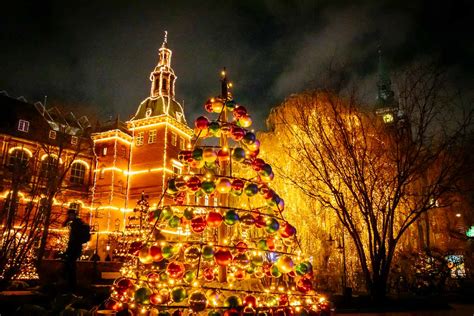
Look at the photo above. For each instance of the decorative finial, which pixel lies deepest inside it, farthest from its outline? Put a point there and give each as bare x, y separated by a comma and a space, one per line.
165, 39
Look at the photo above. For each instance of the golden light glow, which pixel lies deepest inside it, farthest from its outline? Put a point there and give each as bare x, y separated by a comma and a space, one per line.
117, 138
26, 150
82, 162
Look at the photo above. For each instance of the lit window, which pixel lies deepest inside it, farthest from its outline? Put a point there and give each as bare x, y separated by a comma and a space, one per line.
182, 143
74, 140
78, 173
52, 134
104, 151
18, 157
174, 139
152, 137
23, 126
140, 138
48, 166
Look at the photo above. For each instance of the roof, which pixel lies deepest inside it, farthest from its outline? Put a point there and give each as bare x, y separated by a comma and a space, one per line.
158, 106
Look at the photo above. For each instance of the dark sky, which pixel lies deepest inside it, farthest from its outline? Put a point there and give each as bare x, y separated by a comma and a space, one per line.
97, 55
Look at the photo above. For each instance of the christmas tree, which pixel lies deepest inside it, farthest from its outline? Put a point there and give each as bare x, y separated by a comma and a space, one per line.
231, 251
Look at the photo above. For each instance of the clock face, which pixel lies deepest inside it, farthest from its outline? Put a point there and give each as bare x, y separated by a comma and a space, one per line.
388, 118
148, 112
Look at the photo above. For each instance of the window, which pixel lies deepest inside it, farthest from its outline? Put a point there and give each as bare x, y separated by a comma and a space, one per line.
74, 140
78, 173
49, 166
23, 126
182, 143
18, 157
52, 134
140, 138
174, 139
104, 151
152, 137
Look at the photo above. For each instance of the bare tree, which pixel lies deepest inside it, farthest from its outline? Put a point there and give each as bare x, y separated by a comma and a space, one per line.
377, 174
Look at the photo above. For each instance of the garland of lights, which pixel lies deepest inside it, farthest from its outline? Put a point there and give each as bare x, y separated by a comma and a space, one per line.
220, 248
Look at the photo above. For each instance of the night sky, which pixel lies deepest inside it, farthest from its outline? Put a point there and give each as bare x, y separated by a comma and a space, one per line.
97, 57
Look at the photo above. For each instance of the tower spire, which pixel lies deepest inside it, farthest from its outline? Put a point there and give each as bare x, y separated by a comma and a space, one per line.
165, 40
163, 77
385, 95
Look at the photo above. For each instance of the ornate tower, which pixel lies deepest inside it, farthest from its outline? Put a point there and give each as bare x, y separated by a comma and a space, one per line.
386, 105
162, 77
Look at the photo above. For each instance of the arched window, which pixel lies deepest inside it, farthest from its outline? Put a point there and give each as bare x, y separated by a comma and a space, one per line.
19, 158
49, 165
78, 173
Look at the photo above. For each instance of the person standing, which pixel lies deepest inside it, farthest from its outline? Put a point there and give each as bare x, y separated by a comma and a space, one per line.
79, 233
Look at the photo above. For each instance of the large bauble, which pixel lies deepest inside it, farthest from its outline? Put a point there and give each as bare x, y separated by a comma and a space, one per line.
223, 155
241, 247
242, 260
302, 268
156, 299
239, 111
247, 220
155, 253
197, 154
189, 276
198, 224
208, 186
231, 217
251, 189
257, 164
209, 155
230, 105
194, 183
208, 274
197, 301
249, 138
153, 277
123, 284
250, 300
171, 187
166, 213
238, 154
237, 133
144, 256
260, 221
168, 251
257, 260
207, 252
237, 185
287, 230
285, 264
217, 105
174, 221
214, 129
304, 285
223, 257
272, 225
223, 185
245, 121
266, 170
142, 295
214, 219
192, 254
178, 294
188, 213
233, 301
175, 270
201, 122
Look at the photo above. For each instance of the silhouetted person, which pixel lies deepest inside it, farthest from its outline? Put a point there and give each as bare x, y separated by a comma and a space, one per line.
79, 233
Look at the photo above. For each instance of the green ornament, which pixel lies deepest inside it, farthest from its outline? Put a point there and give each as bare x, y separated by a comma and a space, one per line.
178, 294
168, 251
166, 213
238, 154
236, 192
214, 313
172, 189
233, 301
272, 300
208, 186
174, 221
230, 105
275, 272
214, 128
197, 154
208, 252
262, 244
302, 268
142, 295
188, 213
199, 193
251, 189
210, 165
164, 277
189, 276
250, 269
164, 313
231, 217
271, 225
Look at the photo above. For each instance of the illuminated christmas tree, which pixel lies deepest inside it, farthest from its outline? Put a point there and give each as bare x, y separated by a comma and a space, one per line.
228, 249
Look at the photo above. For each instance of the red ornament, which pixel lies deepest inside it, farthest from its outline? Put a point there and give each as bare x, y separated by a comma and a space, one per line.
177, 313
304, 285
153, 277
237, 133
239, 274
286, 230
208, 274
260, 221
239, 112
198, 224
250, 300
112, 304
257, 164
155, 253
123, 284
175, 270
231, 312
271, 244
237, 185
223, 257
208, 105
214, 219
185, 156
241, 247
223, 155
194, 183
201, 122
283, 299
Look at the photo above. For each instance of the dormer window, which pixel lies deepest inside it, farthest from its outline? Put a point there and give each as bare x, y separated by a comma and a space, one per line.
23, 126
74, 140
52, 134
